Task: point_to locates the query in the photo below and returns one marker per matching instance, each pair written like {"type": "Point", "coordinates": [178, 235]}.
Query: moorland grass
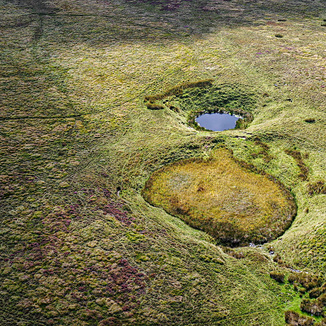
{"type": "Point", "coordinates": [74, 128]}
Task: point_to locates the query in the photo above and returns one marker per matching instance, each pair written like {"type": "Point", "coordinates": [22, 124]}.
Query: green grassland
{"type": "Point", "coordinates": [79, 245]}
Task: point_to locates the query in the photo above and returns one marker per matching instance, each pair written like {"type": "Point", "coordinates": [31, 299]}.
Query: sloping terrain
{"type": "Point", "coordinates": [79, 245]}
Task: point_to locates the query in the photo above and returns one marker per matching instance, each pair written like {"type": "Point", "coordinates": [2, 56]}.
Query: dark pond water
{"type": "Point", "coordinates": [217, 121]}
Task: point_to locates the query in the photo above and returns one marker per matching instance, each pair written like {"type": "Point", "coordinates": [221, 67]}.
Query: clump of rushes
{"type": "Point", "coordinates": [224, 198]}
{"type": "Point", "coordinates": [317, 291]}
{"type": "Point", "coordinates": [174, 108]}
{"type": "Point", "coordinates": [278, 259]}
{"type": "Point", "coordinates": [233, 253]}
{"type": "Point", "coordinates": [314, 307]}
{"type": "Point", "coordinates": [308, 281]}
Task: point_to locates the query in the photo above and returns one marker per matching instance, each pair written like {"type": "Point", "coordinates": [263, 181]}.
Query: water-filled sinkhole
{"type": "Point", "coordinates": [217, 121]}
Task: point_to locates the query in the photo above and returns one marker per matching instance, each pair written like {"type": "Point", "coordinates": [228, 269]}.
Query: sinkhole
{"type": "Point", "coordinates": [223, 197]}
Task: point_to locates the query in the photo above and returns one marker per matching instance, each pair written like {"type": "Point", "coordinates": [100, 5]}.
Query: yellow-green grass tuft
{"type": "Point", "coordinates": [220, 196]}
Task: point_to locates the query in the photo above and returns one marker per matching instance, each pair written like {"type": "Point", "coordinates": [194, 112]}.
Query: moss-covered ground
{"type": "Point", "coordinates": [79, 244]}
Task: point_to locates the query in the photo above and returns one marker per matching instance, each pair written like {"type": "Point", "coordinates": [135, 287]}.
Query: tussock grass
{"type": "Point", "coordinates": [277, 276]}
{"type": "Point", "coordinates": [293, 318]}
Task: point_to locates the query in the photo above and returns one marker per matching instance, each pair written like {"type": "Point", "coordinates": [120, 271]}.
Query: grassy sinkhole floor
{"type": "Point", "coordinates": [220, 196]}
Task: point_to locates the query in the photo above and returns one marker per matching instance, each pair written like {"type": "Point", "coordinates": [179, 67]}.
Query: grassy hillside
{"type": "Point", "coordinates": [79, 245]}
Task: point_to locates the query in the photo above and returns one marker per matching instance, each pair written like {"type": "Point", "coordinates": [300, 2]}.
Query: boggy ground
{"type": "Point", "coordinates": [75, 129]}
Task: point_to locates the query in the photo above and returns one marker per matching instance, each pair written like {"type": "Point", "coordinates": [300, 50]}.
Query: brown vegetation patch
{"type": "Point", "coordinates": [151, 106]}
{"type": "Point", "coordinates": [307, 281]}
